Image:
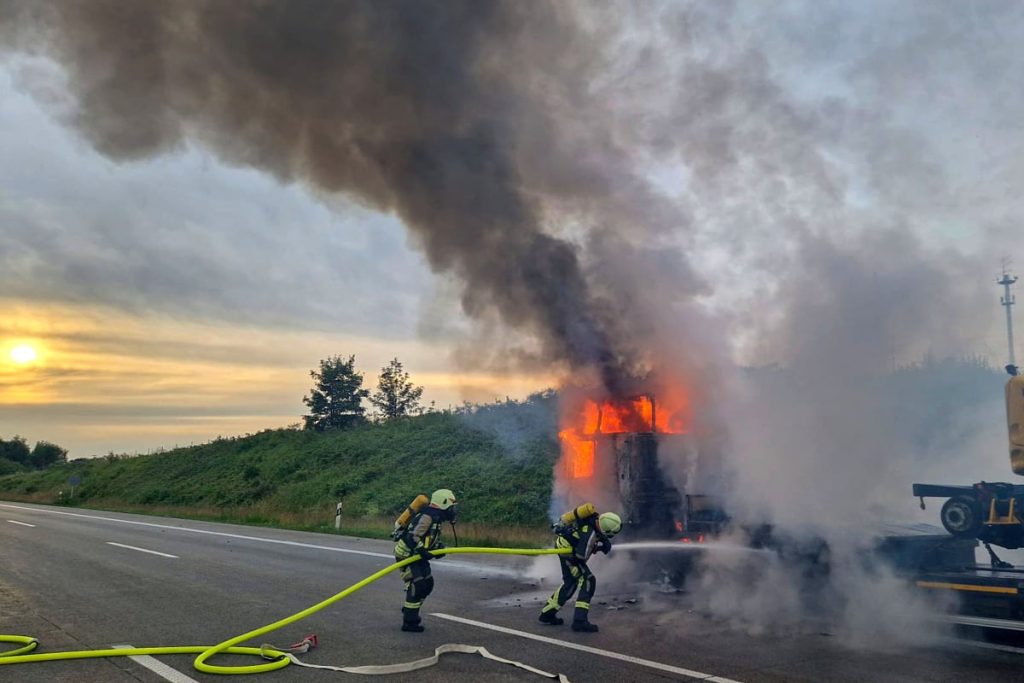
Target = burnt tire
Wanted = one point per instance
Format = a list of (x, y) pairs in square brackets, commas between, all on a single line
[(962, 517)]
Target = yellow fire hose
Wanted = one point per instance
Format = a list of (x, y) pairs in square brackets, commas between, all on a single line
[(230, 646)]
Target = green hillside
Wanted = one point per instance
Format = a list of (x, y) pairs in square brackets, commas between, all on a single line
[(294, 478)]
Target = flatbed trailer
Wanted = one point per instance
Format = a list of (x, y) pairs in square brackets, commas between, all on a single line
[(943, 565), (979, 592), (991, 512)]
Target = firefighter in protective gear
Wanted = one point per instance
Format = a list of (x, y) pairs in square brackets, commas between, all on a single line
[(585, 536), (422, 535)]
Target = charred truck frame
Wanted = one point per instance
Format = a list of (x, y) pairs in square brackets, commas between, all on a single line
[(615, 446), (612, 450)]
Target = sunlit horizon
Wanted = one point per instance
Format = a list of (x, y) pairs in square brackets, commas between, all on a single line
[(160, 382)]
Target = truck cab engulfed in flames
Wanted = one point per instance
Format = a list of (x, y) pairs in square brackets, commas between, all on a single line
[(612, 447)]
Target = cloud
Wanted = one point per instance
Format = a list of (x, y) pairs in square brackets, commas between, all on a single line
[(187, 235), (804, 181)]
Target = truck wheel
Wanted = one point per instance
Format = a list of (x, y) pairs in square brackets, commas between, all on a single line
[(961, 516)]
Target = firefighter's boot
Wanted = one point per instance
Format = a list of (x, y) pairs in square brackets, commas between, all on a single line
[(550, 616), (581, 621), (584, 626), (411, 620)]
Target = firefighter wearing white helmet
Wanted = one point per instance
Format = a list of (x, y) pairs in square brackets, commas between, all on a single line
[(421, 535), (585, 532)]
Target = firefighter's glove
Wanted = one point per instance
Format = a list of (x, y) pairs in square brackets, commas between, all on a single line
[(425, 554), (605, 546)]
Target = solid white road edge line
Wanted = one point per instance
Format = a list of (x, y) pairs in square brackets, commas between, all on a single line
[(201, 531), (156, 666), (14, 521), (689, 673), (142, 550), (452, 564)]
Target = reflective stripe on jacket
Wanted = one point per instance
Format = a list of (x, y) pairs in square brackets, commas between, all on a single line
[(424, 532), (582, 537)]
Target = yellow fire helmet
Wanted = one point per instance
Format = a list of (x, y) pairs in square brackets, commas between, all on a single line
[(442, 499), (610, 523)]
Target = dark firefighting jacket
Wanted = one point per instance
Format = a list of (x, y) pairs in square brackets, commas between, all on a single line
[(583, 537), (424, 532)]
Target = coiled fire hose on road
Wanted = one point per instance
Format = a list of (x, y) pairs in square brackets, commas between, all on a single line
[(231, 646)]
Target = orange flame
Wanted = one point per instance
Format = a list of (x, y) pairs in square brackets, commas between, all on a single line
[(591, 417), (630, 415), (673, 415), (579, 454), (668, 413)]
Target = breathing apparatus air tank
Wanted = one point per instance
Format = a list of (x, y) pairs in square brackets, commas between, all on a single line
[(418, 503), (578, 513)]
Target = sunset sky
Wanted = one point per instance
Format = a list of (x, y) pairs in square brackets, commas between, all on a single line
[(174, 300), (821, 159)]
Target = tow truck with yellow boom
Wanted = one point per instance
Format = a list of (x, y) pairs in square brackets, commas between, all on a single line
[(991, 513)]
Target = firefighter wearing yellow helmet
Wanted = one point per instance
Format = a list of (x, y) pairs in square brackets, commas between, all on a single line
[(419, 536), (585, 532)]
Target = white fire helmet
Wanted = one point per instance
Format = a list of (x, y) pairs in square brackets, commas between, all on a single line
[(442, 499), (610, 523)]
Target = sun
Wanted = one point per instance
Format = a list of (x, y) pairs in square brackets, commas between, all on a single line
[(23, 354)]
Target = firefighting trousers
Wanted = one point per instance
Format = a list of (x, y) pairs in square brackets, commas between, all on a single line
[(418, 585), (575, 576)]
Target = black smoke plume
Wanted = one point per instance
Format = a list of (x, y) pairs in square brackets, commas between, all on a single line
[(433, 111)]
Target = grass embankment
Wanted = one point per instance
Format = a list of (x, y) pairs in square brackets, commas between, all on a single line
[(293, 479)]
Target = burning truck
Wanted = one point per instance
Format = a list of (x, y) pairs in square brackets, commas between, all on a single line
[(636, 454), (642, 455)]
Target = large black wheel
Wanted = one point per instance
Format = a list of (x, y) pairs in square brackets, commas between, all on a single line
[(962, 517)]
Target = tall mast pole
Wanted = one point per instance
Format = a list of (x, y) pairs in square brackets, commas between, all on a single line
[(1007, 301)]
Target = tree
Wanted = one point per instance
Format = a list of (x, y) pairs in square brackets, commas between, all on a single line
[(336, 399), (46, 454), (16, 450), (396, 395)]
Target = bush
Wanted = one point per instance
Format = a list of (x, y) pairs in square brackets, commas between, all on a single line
[(375, 469), (8, 467)]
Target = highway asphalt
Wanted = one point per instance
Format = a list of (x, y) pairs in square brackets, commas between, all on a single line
[(83, 579)]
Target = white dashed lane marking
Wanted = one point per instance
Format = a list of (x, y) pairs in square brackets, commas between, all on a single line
[(206, 532), (447, 565), (142, 550), (157, 667)]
